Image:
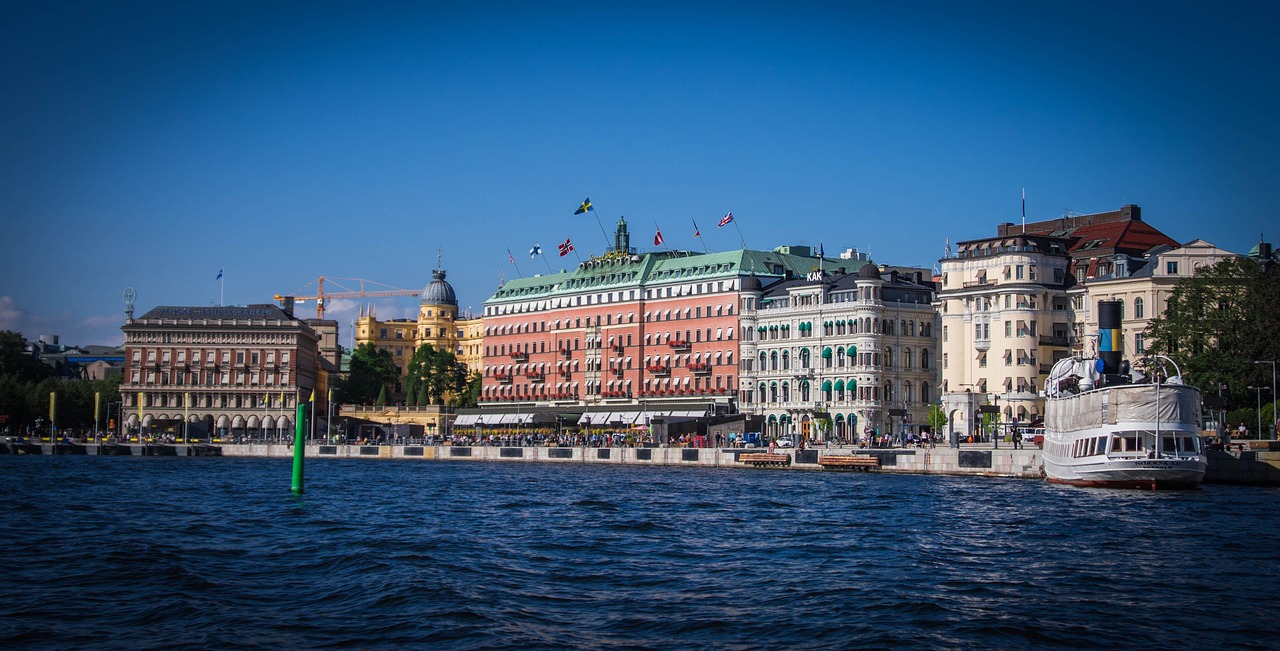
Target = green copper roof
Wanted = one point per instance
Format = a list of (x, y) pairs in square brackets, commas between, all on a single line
[(615, 271)]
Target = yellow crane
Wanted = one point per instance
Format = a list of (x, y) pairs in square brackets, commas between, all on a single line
[(347, 292)]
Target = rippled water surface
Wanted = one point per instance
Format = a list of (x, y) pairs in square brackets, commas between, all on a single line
[(126, 553)]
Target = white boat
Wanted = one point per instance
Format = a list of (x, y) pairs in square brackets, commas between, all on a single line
[(1125, 430)]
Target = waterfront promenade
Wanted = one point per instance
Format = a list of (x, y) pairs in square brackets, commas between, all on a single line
[(1240, 466)]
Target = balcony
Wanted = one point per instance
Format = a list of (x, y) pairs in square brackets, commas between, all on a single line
[(518, 356), (536, 377), (700, 368), (679, 345), (658, 369), (567, 353), (502, 378), (982, 344), (981, 282), (1061, 342)]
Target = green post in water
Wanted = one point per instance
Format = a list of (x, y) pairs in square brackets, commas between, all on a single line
[(299, 445)]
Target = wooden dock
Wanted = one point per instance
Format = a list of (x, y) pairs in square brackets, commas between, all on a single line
[(856, 462), (765, 459)]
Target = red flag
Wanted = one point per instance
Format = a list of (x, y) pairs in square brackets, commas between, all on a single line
[(566, 247), (657, 238), (727, 218)]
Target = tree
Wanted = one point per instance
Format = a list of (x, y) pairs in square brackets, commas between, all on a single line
[(937, 418), (437, 372), (1218, 322), (470, 395), (372, 370)]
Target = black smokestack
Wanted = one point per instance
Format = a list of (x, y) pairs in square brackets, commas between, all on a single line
[(1110, 337)]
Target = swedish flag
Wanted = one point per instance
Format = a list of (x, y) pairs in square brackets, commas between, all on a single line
[(586, 205)]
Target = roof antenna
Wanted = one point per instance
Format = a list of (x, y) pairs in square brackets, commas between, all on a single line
[(439, 255)]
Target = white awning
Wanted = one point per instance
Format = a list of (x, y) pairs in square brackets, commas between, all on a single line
[(465, 419)]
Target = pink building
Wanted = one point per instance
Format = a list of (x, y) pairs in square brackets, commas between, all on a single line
[(626, 333)]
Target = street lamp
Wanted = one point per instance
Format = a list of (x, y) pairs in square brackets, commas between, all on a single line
[(1258, 392), (1272, 362)]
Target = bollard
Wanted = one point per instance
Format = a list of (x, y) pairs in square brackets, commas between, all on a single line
[(299, 445)]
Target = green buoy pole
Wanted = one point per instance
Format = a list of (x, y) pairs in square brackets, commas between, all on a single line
[(299, 445)]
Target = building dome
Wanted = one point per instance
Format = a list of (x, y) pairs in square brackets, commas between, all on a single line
[(751, 284), (439, 292), (869, 272)]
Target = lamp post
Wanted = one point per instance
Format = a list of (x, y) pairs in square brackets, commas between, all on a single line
[(1258, 392), (1272, 362)]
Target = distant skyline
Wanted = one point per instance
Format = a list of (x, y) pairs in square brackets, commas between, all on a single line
[(150, 145)]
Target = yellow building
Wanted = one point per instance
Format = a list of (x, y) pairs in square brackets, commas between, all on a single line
[(439, 323)]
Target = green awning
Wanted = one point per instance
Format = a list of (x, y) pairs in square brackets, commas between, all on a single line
[(773, 418), (853, 351), (840, 349), (853, 420), (826, 352), (853, 385), (839, 385), (761, 329), (839, 418), (826, 385), (805, 384)]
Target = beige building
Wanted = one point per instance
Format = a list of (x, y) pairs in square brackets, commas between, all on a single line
[(1014, 304), (1143, 286), (221, 371), (439, 323)]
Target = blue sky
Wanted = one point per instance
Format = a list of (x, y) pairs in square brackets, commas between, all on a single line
[(150, 144)]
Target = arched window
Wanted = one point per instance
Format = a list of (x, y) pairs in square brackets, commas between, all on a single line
[(804, 358), (924, 358), (786, 392), (840, 357), (786, 360), (804, 391), (924, 392), (1138, 310), (773, 361), (906, 391), (773, 392), (888, 356), (888, 391), (906, 358)]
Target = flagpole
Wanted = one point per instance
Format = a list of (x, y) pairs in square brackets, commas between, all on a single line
[(657, 230), (607, 243), (697, 232), (512, 260), (735, 227), (313, 415), (1024, 211), (222, 289)]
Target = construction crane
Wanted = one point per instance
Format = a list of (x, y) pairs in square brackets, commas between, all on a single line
[(320, 294)]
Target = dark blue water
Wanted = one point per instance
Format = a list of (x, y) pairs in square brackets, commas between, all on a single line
[(127, 553)]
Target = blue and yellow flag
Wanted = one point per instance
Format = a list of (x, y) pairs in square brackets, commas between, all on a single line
[(586, 205)]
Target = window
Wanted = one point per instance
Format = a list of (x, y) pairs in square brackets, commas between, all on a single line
[(1171, 267), (1008, 328), (1138, 345), (1138, 308)]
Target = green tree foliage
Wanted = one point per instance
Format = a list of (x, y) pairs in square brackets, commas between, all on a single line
[(25, 385), (372, 370), (1217, 323), (435, 376), (937, 418), (470, 396)]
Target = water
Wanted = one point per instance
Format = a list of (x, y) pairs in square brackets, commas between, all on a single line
[(128, 553)]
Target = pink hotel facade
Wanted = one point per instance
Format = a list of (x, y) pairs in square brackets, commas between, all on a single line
[(626, 329)]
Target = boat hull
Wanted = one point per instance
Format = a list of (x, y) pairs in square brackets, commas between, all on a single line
[(1135, 473)]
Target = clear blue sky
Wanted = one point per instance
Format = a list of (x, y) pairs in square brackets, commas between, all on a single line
[(152, 144)]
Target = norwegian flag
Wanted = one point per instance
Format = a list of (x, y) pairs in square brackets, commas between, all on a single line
[(727, 218), (657, 238), (566, 247)]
